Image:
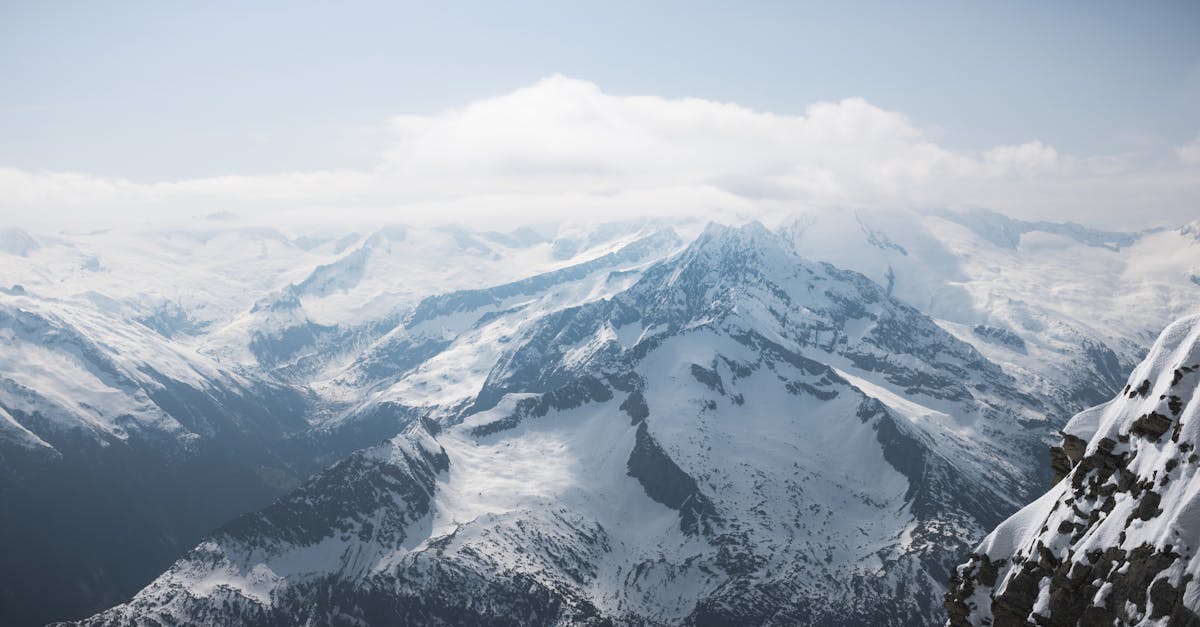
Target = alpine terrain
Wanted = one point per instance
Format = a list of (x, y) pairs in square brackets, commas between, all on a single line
[(565, 314), (740, 436), (643, 422), (1115, 540), (154, 386)]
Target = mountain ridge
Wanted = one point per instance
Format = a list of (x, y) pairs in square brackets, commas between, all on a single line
[(609, 473)]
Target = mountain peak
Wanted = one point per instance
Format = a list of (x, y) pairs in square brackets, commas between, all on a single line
[(723, 234), (735, 249), (286, 299)]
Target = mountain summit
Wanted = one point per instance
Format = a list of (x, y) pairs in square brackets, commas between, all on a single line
[(739, 436)]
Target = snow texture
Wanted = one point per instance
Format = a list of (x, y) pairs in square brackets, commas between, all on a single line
[(1116, 539)]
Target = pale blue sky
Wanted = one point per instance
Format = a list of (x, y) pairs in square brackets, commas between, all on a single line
[(176, 89), (153, 91)]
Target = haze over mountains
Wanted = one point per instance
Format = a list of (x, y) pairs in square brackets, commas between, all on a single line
[(808, 421)]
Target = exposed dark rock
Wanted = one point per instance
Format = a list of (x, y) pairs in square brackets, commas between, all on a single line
[(988, 570), (902, 451), (635, 405), (1060, 464), (1150, 426), (1014, 605), (710, 378), (1141, 390), (1002, 337), (1064, 457), (1148, 506), (667, 483), (799, 388), (1073, 447), (574, 394)]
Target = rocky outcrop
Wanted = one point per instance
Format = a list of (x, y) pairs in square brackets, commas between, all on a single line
[(1065, 456), (1116, 540), (668, 484), (996, 335)]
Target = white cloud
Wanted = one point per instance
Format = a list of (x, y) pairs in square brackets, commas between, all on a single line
[(562, 147), (1028, 158)]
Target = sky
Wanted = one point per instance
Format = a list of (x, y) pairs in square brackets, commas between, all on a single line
[(506, 112)]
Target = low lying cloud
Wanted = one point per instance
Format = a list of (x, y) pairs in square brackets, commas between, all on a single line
[(563, 149)]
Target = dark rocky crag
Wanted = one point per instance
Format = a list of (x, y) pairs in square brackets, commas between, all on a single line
[(1115, 540)]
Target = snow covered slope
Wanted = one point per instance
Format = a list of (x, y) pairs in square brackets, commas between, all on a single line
[(154, 386), (210, 275), (116, 447), (95, 353), (1117, 538), (134, 364), (739, 436), (74, 374), (430, 357), (1065, 309)]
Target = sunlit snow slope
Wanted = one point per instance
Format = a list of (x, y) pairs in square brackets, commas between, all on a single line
[(1066, 309), (154, 385)]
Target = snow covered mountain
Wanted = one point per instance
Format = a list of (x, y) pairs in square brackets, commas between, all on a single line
[(115, 446), (739, 436), (748, 427), (130, 426), (1116, 540), (1066, 309)]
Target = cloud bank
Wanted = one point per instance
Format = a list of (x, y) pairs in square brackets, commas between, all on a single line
[(562, 149)]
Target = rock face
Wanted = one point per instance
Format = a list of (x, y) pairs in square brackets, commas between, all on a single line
[(1116, 540), (739, 437)]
